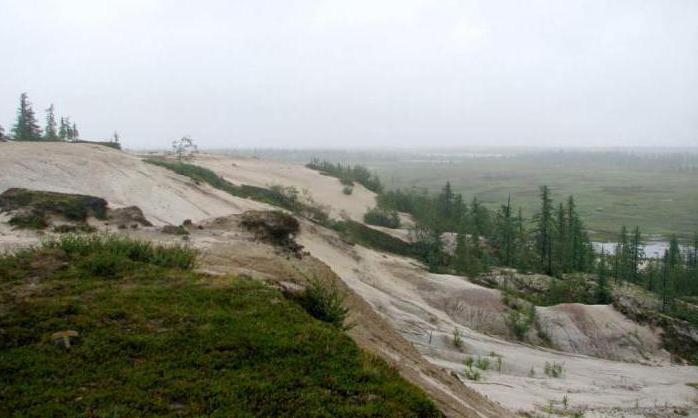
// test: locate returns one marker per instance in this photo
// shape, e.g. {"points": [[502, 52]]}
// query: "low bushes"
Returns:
{"points": [[74, 207], [324, 302], [382, 217]]}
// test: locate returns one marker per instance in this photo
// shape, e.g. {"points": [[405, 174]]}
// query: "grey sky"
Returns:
{"points": [[358, 73]]}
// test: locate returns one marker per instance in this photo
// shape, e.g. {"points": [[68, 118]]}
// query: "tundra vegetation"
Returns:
{"points": [[110, 326]]}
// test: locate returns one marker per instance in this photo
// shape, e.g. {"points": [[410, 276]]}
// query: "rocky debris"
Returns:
{"points": [[130, 215], [65, 338]]}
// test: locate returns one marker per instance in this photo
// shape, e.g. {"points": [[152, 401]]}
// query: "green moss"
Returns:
{"points": [[160, 341]]}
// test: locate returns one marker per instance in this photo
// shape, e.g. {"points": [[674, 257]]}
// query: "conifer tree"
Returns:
{"points": [[504, 234], [75, 135], [545, 227], [50, 133], [116, 138], [26, 128], [2, 133], [480, 219], [636, 254], [561, 241], [603, 293], [667, 291], [64, 129]]}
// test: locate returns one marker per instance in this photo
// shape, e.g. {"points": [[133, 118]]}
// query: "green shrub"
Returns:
{"points": [[325, 302], [520, 323], [371, 238], [30, 220], [482, 363], [348, 174], [554, 369], [473, 375], [457, 337], [347, 190], [382, 217], [74, 207]]}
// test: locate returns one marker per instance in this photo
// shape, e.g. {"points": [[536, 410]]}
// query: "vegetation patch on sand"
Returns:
{"points": [[146, 336], [32, 207]]}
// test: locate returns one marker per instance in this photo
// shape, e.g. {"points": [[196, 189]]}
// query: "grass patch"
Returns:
{"points": [[156, 340]]}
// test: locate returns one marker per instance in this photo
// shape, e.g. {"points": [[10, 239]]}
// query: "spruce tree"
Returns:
{"points": [[50, 133], [667, 291], [75, 135], [545, 227], [637, 254], [64, 129], [561, 244], [2, 133], [504, 234], [26, 128]]}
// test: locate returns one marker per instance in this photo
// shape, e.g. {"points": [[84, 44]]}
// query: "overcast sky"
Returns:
{"points": [[358, 73]]}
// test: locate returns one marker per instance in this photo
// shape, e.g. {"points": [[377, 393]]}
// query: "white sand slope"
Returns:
{"points": [[325, 190], [120, 178], [420, 306], [601, 331]]}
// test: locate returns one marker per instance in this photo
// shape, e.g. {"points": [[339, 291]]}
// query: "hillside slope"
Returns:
{"points": [[402, 312]]}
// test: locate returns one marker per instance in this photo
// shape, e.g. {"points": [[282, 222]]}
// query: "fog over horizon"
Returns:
{"points": [[339, 74]]}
